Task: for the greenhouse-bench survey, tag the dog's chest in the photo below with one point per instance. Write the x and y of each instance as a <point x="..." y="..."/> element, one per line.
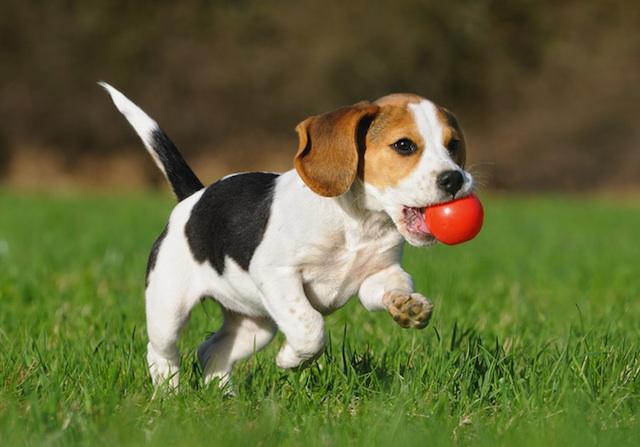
<point x="334" y="268"/>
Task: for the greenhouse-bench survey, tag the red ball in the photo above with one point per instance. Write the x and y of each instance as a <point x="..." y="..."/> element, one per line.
<point x="457" y="221"/>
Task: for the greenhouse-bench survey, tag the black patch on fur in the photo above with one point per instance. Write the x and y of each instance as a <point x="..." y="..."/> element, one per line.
<point x="182" y="179"/>
<point x="153" y="256"/>
<point x="230" y="219"/>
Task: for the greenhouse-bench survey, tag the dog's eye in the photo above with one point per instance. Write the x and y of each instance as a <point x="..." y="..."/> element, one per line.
<point x="404" y="146"/>
<point x="453" y="146"/>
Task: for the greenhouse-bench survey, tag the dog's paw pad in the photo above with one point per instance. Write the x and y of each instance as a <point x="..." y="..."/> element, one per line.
<point x="409" y="310"/>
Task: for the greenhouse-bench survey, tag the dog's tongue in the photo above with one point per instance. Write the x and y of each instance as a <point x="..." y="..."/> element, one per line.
<point x="422" y="224"/>
<point x="416" y="221"/>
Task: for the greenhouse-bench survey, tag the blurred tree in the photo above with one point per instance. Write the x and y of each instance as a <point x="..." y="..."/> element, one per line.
<point x="4" y="155"/>
<point x="233" y="74"/>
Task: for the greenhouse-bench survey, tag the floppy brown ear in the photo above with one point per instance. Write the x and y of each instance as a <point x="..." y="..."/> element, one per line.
<point x="327" y="157"/>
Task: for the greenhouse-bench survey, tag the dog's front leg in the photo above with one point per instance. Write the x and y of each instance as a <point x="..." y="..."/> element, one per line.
<point x="301" y="324"/>
<point x="392" y="289"/>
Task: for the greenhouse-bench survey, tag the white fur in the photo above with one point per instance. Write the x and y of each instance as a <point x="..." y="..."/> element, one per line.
<point x="316" y="253"/>
<point x="142" y="123"/>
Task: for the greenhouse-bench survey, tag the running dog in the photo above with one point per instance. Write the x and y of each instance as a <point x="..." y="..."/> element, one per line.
<point x="279" y="251"/>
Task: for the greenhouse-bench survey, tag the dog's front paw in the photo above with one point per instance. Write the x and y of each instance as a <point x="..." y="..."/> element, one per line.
<point x="287" y="358"/>
<point x="408" y="309"/>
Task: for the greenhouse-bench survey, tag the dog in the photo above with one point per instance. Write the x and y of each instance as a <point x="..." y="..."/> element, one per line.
<point x="280" y="251"/>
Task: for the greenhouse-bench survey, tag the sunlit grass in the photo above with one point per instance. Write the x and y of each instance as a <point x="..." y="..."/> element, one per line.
<point x="534" y="338"/>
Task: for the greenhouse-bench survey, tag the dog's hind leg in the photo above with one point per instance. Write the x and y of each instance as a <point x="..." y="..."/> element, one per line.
<point x="238" y="338"/>
<point x="168" y="308"/>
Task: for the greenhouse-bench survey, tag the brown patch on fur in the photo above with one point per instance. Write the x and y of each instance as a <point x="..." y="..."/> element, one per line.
<point x="398" y="99"/>
<point x="334" y="147"/>
<point x="452" y="130"/>
<point x="382" y="166"/>
<point x="327" y="157"/>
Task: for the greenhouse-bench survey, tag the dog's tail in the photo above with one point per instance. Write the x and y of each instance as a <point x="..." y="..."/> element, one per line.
<point x="166" y="155"/>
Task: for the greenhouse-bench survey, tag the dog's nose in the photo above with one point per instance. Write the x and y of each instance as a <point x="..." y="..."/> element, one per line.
<point x="450" y="181"/>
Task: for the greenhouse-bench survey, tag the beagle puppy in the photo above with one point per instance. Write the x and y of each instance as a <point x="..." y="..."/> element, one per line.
<point x="280" y="251"/>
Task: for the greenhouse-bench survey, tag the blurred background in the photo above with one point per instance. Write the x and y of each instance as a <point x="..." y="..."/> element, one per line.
<point x="547" y="91"/>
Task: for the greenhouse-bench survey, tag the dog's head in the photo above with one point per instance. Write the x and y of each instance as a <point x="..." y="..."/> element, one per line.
<point x="406" y="152"/>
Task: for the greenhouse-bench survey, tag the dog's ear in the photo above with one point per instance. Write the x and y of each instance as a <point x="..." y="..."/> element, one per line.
<point x="327" y="157"/>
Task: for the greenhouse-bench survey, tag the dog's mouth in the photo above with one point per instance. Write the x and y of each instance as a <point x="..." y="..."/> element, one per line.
<point x="415" y="224"/>
<point x="416" y="230"/>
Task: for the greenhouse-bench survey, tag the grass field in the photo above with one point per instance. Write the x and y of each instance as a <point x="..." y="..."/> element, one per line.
<point x="534" y="340"/>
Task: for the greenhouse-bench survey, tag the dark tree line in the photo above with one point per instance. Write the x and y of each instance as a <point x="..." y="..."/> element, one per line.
<point x="555" y="82"/>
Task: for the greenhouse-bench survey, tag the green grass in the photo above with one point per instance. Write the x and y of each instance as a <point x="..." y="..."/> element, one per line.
<point x="534" y="340"/>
